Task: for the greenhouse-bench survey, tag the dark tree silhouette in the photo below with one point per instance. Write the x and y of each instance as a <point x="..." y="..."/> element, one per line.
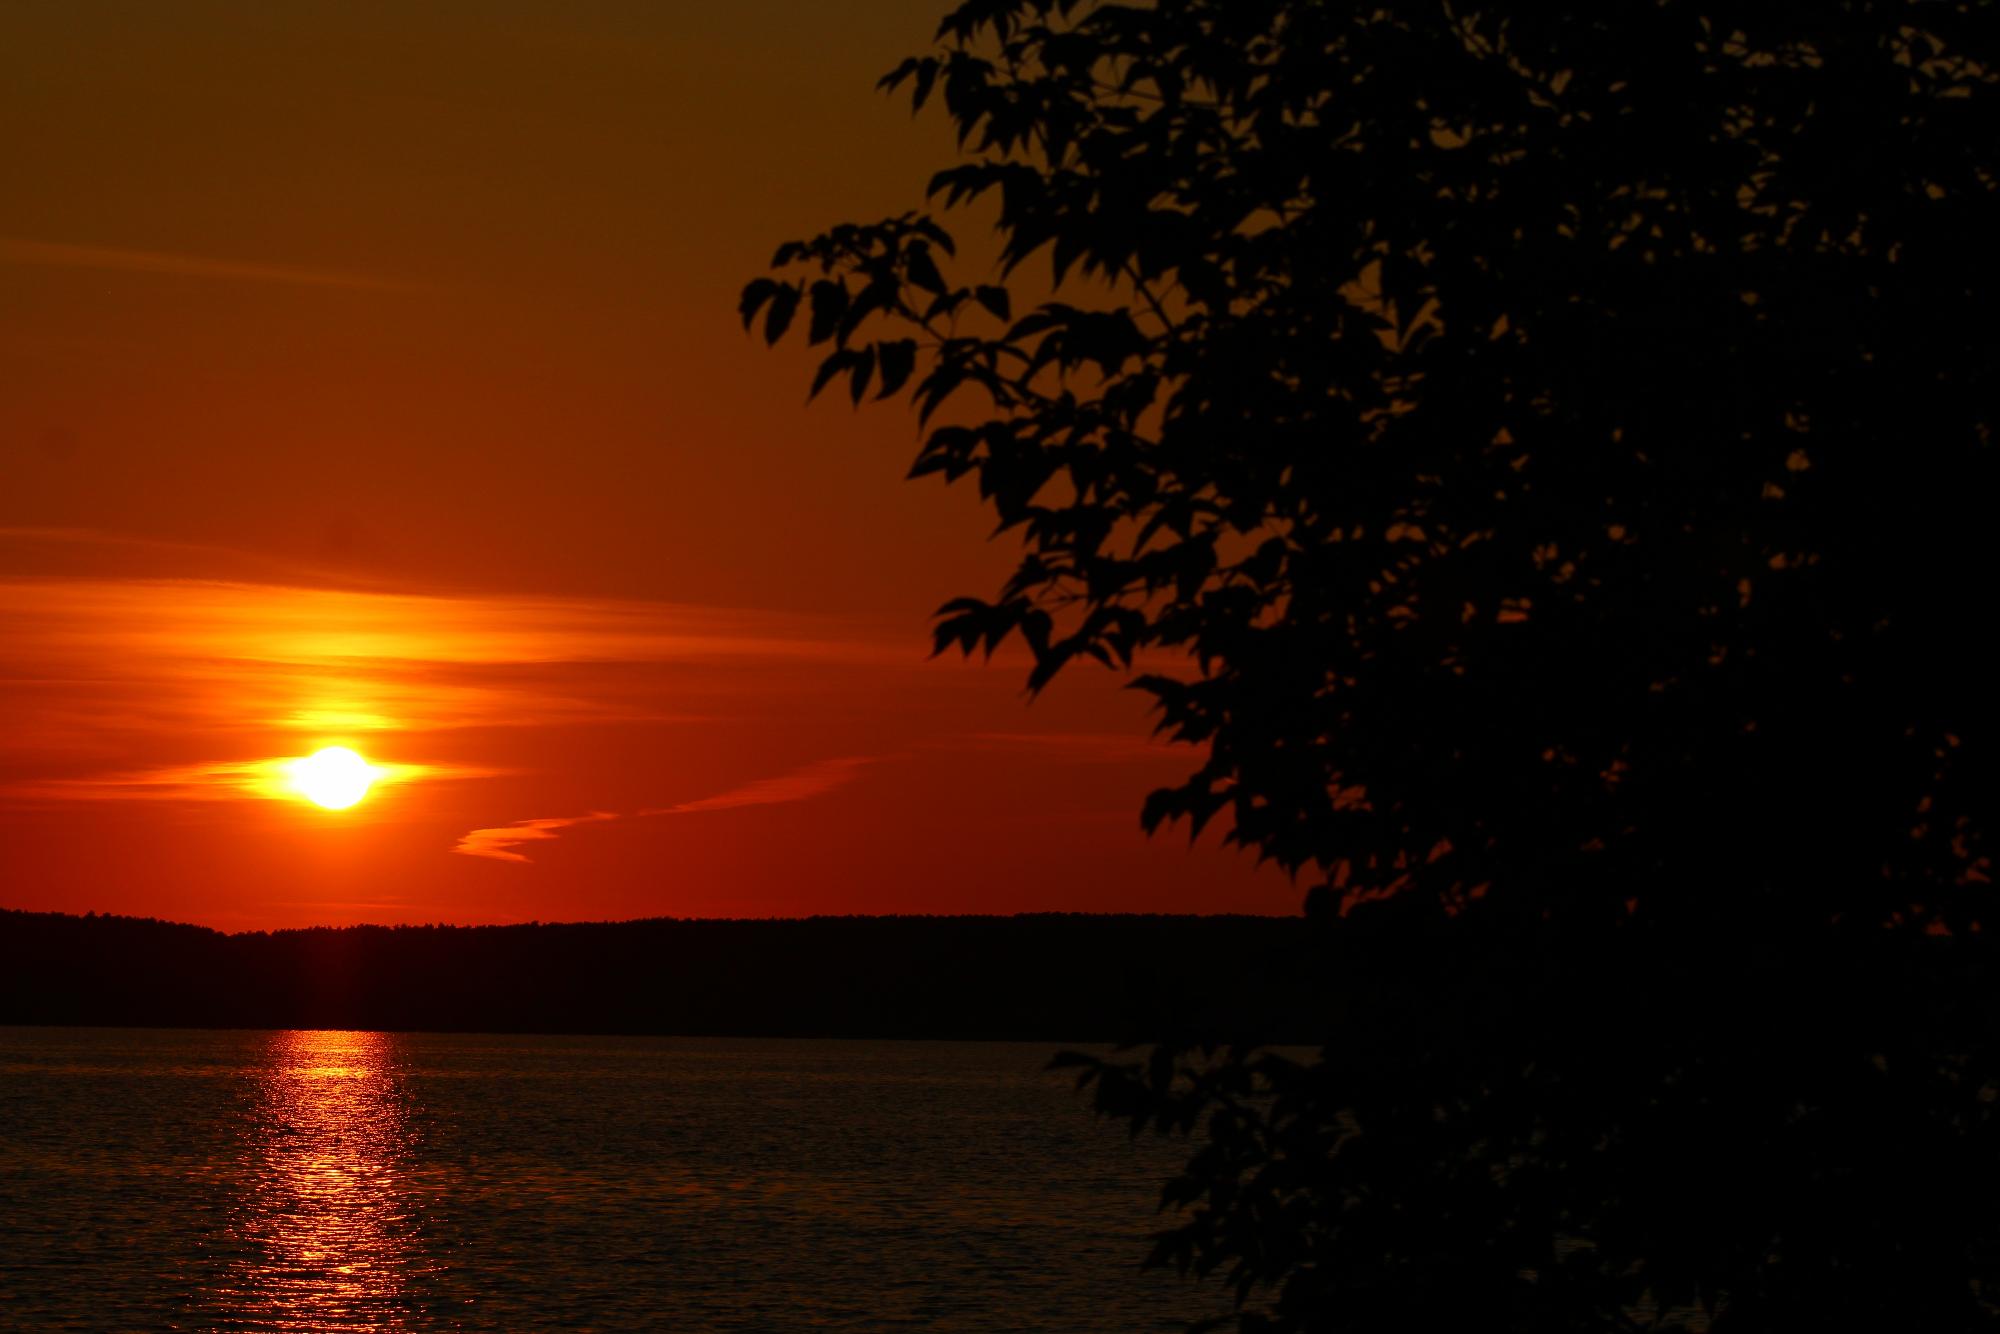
<point x="1540" y="452"/>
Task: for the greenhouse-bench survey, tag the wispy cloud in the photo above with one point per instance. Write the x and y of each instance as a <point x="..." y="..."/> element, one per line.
<point x="499" y="844"/>
<point x="62" y="255"/>
<point x="273" y="623"/>
<point x="74" y="553"/>
<point x="216" y="780"/>
<point x="1079" y="747"/>
<point x="799" y="784"/>
<point x="95" y="665"/>
<point x="130" y="689"/>
<point x="809" y="781"/>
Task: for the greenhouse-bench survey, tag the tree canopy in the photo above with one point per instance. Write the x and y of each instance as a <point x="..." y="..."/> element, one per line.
<point x="1539" y="454"/>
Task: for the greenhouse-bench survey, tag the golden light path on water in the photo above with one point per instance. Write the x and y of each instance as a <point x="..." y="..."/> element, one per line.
<point x="327" y="1232"/>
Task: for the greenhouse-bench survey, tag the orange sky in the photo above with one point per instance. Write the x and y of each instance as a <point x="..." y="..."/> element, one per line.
<point x="369" y="376"/>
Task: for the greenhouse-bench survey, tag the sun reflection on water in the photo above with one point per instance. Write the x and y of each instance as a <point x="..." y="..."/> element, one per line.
<point x="328" y="1233"/>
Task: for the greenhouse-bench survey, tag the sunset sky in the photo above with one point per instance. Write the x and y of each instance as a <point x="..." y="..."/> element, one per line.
<point x="369" y="376"/>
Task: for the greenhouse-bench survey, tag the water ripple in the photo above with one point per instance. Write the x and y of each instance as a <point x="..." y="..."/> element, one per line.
<point x="308" y="1181"/>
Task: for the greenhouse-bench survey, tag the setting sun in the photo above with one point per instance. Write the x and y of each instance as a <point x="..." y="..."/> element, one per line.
<point x="335" y="777"/>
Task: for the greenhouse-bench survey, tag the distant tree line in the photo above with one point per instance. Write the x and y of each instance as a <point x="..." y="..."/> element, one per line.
<point x="1058" y="977"/>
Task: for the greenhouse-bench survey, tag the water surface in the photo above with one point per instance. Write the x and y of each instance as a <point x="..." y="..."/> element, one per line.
<point x="172" y="1179"/>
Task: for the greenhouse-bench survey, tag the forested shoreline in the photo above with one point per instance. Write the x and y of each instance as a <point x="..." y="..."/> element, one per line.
<point x="1058" y="977"/>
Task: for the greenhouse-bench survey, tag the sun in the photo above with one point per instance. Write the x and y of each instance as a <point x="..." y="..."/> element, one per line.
<point x="335" y="777"/>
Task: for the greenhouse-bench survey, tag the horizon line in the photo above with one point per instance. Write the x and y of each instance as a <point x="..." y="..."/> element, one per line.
<point x="774" y="920"/>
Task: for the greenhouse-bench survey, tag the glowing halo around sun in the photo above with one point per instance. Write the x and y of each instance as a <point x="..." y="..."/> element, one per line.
<point x="334" y="778"/>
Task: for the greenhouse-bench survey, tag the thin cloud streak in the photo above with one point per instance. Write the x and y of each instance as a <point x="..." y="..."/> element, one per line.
<point x="219" y="780"/>
<point x="499" y="844"/>
<point x="801" y="784"/>
<point x="809" y="781"/>
<point x="96" y="665"/>
<point x="84" y="553"/>
<point x="275" y="623"/>
<point x="1080" y="747"/>
<point x="62" y="255"/>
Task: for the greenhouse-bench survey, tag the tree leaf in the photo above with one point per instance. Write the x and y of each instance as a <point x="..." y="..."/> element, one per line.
<point x="829" y="307"/>
<point x="897" y="360"/>
<point x="995" y="300"/>
<point x="784" y="301"/>
<point x="755" y="294"/>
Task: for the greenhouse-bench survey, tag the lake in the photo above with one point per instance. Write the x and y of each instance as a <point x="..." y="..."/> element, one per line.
<point x="197" y="1180"/>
